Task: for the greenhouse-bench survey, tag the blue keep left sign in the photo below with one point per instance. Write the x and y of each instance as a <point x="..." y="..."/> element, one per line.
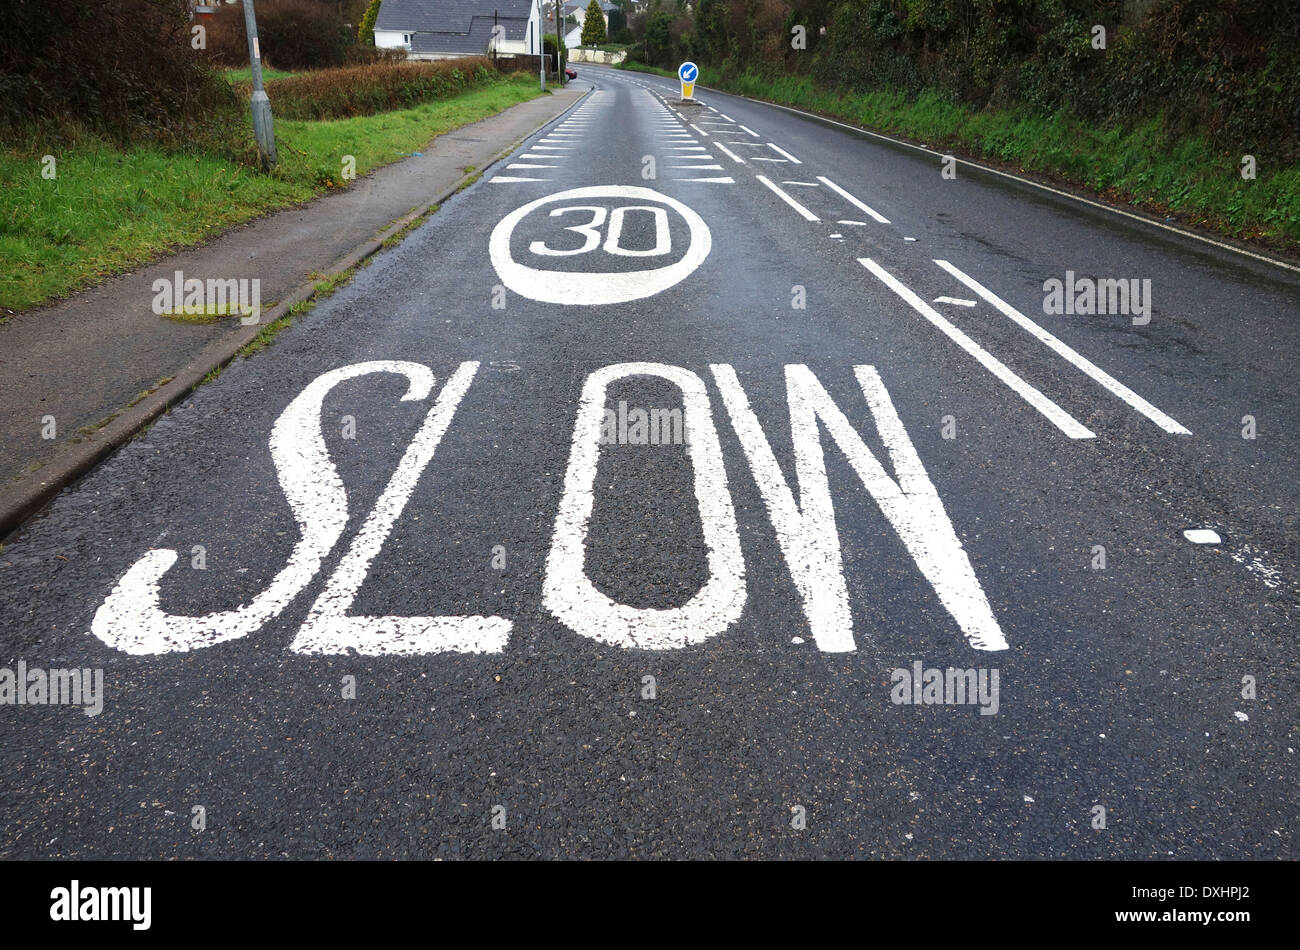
<point x="687" y="72"/>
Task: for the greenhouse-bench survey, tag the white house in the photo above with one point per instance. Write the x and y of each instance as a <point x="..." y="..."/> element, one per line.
<point x="578" y="10"/>
<point x="445" y="29"/>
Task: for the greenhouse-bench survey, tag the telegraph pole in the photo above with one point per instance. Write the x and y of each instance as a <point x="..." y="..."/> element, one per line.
<point x="263" y="129"/>
<point x="541" y="46"/>
<point x="559" y="76"/>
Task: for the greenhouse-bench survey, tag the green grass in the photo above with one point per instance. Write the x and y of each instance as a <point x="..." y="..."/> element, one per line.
<point x="110" y="210"/>
<point x="235" y="76"/>
<point x="1138" y="164"/>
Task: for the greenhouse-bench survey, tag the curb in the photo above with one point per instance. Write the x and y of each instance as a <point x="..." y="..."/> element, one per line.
<point x="28" y="495"/>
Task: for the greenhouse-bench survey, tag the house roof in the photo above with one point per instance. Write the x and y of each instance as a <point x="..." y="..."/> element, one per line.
<point x="448" y="16"/>
<point x="474" y="40"/>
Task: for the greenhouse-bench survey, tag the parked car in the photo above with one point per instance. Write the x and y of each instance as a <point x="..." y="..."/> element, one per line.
<point x="570" y="72"/>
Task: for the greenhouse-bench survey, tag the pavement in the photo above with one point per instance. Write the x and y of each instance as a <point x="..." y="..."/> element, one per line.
<point x="416" y="581"/>
<point x="85" y="360"/>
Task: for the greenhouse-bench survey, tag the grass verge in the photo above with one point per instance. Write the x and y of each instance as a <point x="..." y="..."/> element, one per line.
<point x="1140" y="164"/>
<point x="109" y="210"/>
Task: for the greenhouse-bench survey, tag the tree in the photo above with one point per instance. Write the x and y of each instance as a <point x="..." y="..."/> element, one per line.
<point x="593" y="25"/>
<point x="366" y="31"/>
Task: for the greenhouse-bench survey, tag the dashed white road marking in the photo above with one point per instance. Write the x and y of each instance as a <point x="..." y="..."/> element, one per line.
<point x="852" y="200"/>
<point x="511" y="180"/>
<point x="959" y="301"/>
<point x="803" y="184"/>
<point x="749" y="130"/>
<point x="1054" y="413"/>
<point x="1071" y="356"/>
<point x="807" y="215"/>
<point x="727" y="152"/>
<point x="521" y="165"/>
<point x="708" y="168"/>
<point x="781" y="151"/>
<point x="856" y="224"/>
<point x="718" y="181"/>
<point x="700" y="130"/>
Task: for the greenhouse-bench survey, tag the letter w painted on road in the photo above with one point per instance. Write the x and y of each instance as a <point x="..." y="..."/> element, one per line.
<point x="806" y="529"/>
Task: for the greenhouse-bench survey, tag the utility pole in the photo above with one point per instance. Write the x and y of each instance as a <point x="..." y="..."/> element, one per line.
<point x="263" y="130"/>
<point x="541" y="46"/>
<point x="559" y="77"/>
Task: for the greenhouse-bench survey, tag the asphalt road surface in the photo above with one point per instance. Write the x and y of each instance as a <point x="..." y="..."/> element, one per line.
<point x="613" y="513"/>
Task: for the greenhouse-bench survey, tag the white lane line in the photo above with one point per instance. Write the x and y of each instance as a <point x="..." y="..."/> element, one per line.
<point x="807" y="215"/>
<point x="710" y="168"/>
<point x="509" y="180"/>
<point x="959" y="301"/>
<point x="727" y="117"/>
<point x="851" y="200"/>
<point x="700" y="130"/>
<point x="519" y="165"/>
<point x="729" y="153"/>
<point x="686" y="148"/>
<point x="804" y="184"/>
<point x="1100" y="376"/>
<point x="720" y="181"/>
<point x="1041" y="186"/>
<point x="555" y="148"/>
<point x="1058" y="416"/>
<point x="750" y="131"/>
<point x="781" y="160"/>
<point x="856" y="224"/>
<point x="781" y="151"/>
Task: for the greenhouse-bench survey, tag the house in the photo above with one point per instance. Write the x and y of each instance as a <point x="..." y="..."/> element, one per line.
<point x="577" y="10"/>
<point x="446" y="29"/>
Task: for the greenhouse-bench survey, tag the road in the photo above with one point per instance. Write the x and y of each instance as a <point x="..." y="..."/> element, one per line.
<point x="419" y="580"/>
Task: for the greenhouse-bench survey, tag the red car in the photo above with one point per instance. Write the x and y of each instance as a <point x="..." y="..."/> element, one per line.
<point x="570" y="72"/>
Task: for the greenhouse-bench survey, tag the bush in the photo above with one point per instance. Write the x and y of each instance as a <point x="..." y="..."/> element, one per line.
<point x="376" y="87"/>
<point x="292" y="34"/>
<point x="125" y="69"/>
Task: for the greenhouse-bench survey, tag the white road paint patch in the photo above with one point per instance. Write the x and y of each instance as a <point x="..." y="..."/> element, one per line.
<point x="727" y="152"/>
<point x="1058" y="416"/>
<point x="856" y="224"/>
<point x="1071" y="356"/>
<point x="569" y="593"/>
<point x="132" y="621"/>
<point x="511" y="180"/>
<point x="1241" y="717"/>
<point x="957" y="301"/>
<point x="700" y="130"/>
<point x="1270" y="574"/>
<point x="699" y="167"/>
<point x="716" y="181"/>
<point x="328" y="629"/>
<point x="806" y="529"/>
<point x="578" y="288"/>
<point x="803" y="184"/>
<point x="519" y="165"/>
<point x="1202" y="536"/>
<point x="852" y="200"/>
<point x="749" y="130"/>
<point x="782" y="152"/>
<point x="804" y="212"/>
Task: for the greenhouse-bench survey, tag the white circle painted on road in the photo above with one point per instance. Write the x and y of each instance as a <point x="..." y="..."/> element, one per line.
<point x="588" y="288"/>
